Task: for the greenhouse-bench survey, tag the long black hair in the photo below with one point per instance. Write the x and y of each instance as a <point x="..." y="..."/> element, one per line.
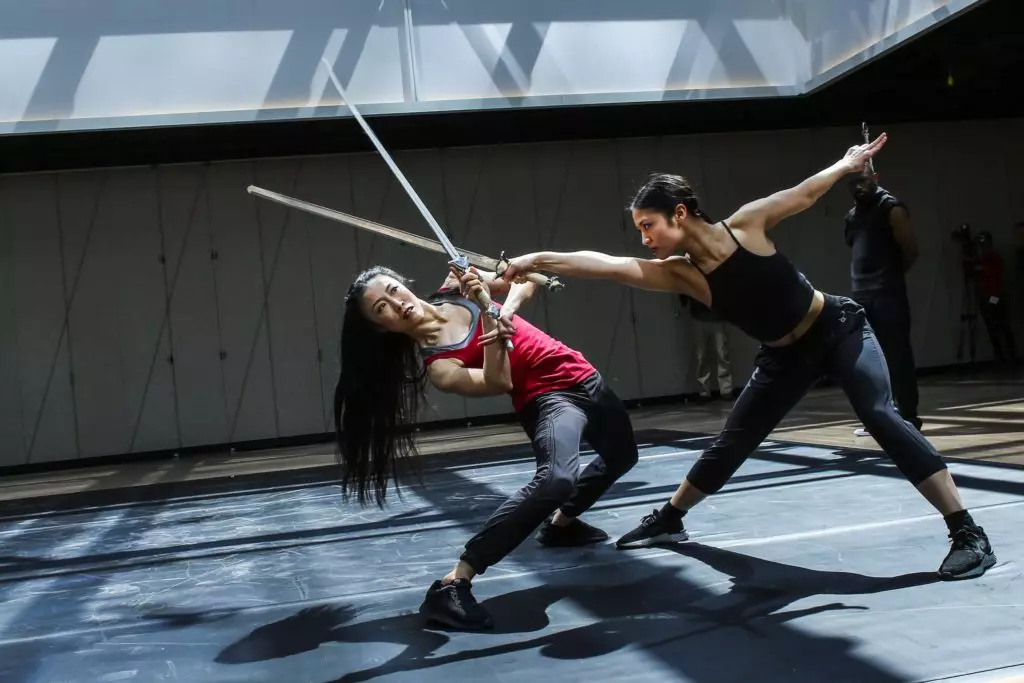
<point x="663" y="192"/>
<point x="377" y="398"/>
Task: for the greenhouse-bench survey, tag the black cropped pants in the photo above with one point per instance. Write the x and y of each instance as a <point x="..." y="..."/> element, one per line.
<point x="842" y="344"/>
<point x="556" y="422"/>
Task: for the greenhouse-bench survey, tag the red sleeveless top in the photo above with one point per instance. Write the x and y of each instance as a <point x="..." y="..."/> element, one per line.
<point x="538" y="363"/>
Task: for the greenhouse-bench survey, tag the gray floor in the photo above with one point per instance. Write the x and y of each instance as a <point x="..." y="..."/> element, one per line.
<point x="811" y="565"/>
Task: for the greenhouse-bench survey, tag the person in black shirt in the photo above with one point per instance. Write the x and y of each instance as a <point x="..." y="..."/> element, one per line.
<point x="881" y="238"/>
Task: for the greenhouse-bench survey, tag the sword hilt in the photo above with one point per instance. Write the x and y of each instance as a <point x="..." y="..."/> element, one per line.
<point x="461" y="264"/>
<point x="870" y="164"/>
<point x="550" y="283"/>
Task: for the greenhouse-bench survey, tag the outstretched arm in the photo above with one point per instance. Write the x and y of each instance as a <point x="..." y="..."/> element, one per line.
<point x="769" y="211"/>
<point x="515" y="293"/>
<point x="674" y="274"/>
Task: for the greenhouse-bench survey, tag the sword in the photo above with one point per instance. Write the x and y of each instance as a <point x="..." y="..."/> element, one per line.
<point x="498" y="265"/>
<point x="459" y="261"/>
<point x="870" y="165"/>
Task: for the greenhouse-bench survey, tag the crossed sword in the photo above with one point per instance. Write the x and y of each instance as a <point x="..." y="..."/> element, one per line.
<point x="459" y="258"/>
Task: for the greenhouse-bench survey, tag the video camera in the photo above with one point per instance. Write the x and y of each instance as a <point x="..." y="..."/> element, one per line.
<point x="962" y="234"/>
<point x="968" y="248"/>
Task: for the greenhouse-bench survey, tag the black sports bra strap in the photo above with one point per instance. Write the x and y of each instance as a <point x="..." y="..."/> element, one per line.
<point x="729" y="230"/>
<point x="455" y="298"/>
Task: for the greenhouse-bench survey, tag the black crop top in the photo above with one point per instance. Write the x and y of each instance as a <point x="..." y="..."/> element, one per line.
<point x="765" y="296"/>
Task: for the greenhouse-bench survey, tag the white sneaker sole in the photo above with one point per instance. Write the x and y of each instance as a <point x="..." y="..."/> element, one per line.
<point x="656" y="540"/>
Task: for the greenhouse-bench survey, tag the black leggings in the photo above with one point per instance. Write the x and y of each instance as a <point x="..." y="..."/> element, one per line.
<point x="556" y="422"/>
<point x="842" y="344"/>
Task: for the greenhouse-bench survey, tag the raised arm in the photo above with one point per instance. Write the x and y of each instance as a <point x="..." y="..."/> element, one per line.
<point x="767" y="212"/>
<point x="674" y="274"/>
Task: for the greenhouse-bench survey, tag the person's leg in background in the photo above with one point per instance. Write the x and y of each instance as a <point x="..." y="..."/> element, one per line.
<point x="724" y="363"/>
<point x="1000" y="332"/>
<point x="888" y="313"/>
<point x="701" y="337"/>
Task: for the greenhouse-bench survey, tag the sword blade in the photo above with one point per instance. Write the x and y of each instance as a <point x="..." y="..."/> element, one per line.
<point x="424" y="211"/>
<point x="409" y="238"/>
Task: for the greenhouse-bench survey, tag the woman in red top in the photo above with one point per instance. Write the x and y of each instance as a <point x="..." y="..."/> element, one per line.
<point x="392" y="343"/>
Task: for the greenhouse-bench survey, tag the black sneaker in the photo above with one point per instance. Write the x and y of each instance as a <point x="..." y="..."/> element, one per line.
<point x="453" y="605"/>
<point x="653" y="529"/>
<point x="970" y="556"/>
<point x="575" y="533"/>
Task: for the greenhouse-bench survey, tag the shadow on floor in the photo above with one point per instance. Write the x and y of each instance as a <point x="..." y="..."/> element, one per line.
<point x="636" y="614"/>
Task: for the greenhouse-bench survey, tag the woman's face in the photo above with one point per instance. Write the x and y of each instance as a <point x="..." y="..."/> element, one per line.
<point x="390" y="304"/>
<point x="658" y="232"/>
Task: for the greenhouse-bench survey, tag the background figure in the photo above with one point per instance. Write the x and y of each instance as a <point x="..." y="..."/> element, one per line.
<point x="879" y="233"/>
<point x="1018" y="262"/>
<point x="708" y="328"/>
<point x="992" y="299"/>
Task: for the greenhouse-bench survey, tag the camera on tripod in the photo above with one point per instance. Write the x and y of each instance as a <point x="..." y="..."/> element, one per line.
<point x="968" y="304"/>
<point x="968" y="248"/>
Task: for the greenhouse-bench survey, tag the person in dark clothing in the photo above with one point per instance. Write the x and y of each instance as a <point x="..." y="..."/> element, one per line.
<point x="709" y="330"/>
<point x="1018" y="232"/>
<point x="394" y="343"/>
<point x="880" y="235"/>
<point x="734" y="268"/>
<point x="992" y="298"/>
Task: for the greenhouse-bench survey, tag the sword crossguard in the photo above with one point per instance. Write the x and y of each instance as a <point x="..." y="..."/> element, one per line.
<point x="461" y="264"/>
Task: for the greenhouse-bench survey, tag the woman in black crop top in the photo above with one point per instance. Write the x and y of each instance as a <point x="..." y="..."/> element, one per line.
<point x="733" y="268"/>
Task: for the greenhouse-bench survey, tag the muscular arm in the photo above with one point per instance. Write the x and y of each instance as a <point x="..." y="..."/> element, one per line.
<point x="452" y="378"/>
<point x="903" y="233"/>
<point x="674" y="274"/>
<point x="769" y="211"/>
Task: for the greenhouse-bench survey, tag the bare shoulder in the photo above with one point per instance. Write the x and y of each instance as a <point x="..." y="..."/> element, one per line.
<point x="680" y="266"/>
<point x="748" y="218"/>
<point x="675" y="266"/>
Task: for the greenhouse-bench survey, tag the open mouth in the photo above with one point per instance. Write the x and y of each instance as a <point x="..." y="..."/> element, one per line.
<point x="407" y="312"/>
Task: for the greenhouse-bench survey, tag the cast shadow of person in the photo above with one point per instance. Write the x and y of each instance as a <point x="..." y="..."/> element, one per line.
<point x="655" y="613"/>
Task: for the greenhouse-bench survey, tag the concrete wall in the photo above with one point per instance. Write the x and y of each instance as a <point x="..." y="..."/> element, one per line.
<point x="161" y="307"/>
